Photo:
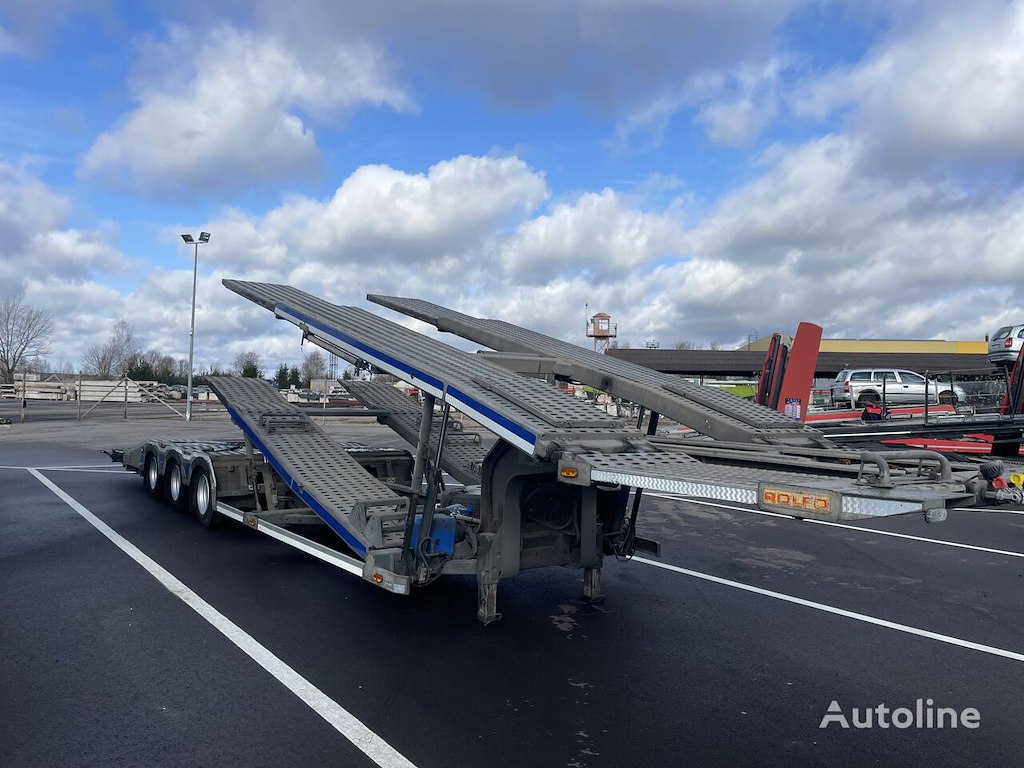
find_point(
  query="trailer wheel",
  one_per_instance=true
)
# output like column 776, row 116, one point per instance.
column 201, row 494
column 151, row 478
column 177, row 491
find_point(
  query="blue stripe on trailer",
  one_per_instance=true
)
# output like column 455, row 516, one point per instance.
column 357, row 546
column 516, row 429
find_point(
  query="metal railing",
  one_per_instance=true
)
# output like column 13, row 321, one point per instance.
column 82, row 399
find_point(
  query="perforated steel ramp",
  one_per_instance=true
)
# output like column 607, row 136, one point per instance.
column 528, row 413
column 709, row 411
column 364, row 512
column 463, row 453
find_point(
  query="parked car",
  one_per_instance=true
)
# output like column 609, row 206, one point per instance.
column 1004, row 345
column 856, row 387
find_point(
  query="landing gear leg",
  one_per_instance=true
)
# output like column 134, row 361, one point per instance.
column 487, row 602
column 592, row 584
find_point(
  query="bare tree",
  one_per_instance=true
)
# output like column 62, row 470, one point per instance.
column 684, row 345
column 213, row 370
column 116, row 356
column 163, row 367
column 123, row 345
column 97, row 360
column 23, row 335
column 313, row 366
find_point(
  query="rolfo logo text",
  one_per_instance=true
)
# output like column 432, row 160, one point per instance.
column 923, row 714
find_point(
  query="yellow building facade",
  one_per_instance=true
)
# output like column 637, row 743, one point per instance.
column 908, row 346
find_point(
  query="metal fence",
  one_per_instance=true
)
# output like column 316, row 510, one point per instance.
column 90, row 399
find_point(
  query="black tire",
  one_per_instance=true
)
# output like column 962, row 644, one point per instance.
column 174, row 485
column 867, row 397
column 151, row 477
column 202, row 498
column 948, row 398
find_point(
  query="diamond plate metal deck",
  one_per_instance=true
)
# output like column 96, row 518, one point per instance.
column 463, row 453
column 315, row 467
column 528, row 413
column 705, row 409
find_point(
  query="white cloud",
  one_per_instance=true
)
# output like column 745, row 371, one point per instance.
column 815, row 238
column 34, row 239
column 605, row 53
column 811, row 239
column 381, row 213
column 84, row 311
column 382, row 231
column 946, row 89
column 734, row 104
column 237, row 118
column 596, row 234
column 26, row 205
column 466, row 233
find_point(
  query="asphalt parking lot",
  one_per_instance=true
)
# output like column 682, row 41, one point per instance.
column 205, row 647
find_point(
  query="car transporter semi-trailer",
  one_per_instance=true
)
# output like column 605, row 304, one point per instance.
column 560, row 486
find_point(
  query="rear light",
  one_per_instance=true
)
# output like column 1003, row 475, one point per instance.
column 1008, row 343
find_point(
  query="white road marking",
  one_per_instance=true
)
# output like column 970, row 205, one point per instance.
column 1012, row 655
column 101, row 468
column 343, row 721
column 108, row 465
column 114, row 471
column 990, row 510
column 956, row 544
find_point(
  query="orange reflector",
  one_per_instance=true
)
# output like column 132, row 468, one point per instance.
column 377, row 578
column 569, row 472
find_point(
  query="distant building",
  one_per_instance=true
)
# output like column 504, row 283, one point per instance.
column 897, row 346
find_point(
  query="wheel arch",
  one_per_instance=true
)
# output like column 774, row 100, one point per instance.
column 199, row 460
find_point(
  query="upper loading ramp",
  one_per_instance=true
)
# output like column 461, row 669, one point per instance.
column 528, row 413
column 707, row 410
column 357, row 506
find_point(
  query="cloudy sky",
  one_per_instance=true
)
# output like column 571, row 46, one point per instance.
column 702, row 170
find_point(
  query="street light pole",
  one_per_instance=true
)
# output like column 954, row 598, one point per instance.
column 204, row 237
